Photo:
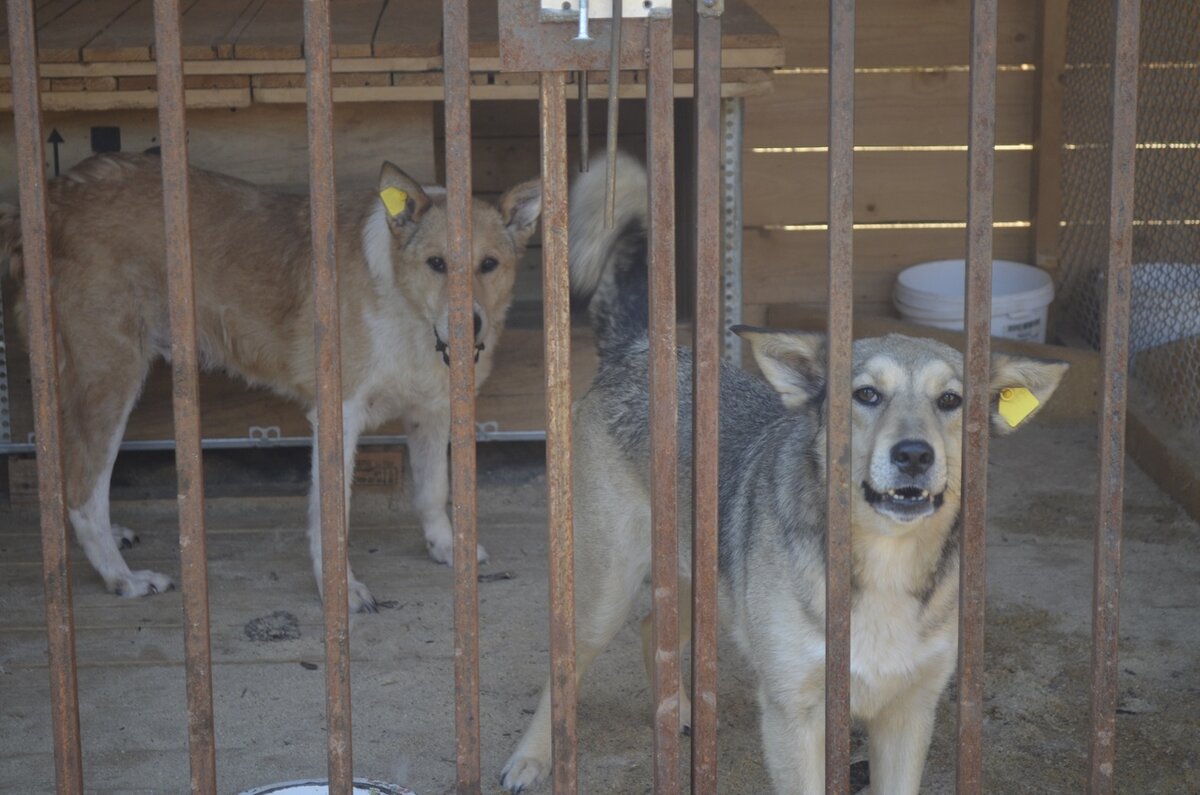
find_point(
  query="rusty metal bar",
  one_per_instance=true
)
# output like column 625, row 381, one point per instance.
column 664, row 400
column 557, row 314
column 193, row 550
column 976, row 423
column 584, row 125
column 1115, row 354
column 613, row 117
column 330, row 442
column 840, row 352
column 457, row 78
column 56, row 564
column 707, row 343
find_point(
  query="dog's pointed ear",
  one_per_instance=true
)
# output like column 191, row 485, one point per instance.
column 520, row 207
column 1020, row 386
column 792, row 361
column 402, row 196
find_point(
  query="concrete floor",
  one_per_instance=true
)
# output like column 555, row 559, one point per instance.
column 267, row 646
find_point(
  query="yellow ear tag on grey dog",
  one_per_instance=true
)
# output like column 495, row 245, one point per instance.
column 394, row 200
column 1016, row 403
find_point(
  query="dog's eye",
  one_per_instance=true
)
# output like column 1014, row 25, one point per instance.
column 437, row 264
column 489, row 264
column 949, row 401
column 868, row 396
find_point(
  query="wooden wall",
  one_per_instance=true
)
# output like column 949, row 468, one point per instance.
column 911, row 110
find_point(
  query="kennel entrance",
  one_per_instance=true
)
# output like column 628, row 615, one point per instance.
column 552, row 89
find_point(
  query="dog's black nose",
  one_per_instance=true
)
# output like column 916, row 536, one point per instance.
column 912, row 456
column 478, row 325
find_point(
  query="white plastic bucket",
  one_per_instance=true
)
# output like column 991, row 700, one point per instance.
column 931, row 294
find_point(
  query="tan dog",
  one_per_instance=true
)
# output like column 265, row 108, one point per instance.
column 252, row 256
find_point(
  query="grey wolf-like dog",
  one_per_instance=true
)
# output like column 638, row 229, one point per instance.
column 906, row 437
column 252, row 254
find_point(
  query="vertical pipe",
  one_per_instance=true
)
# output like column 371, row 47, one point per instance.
column 186, row 397
column 331, row 468
column 976, row 424
column 1115, row 354
column 707, row 343
column 43, row 336
column 584, row 124
column 664, row 400
column 841, row 344
column 557, row 314
column 457, row 77
column 614, row 102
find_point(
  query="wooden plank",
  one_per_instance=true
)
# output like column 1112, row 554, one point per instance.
column 901, row 32
column 409, row 30
column 353, row 25
column 789, row 267
column 791, row 188
column 130, row 37
column 208, row 24
column 65, row 101
column 1048, row 135
column 63, row 39
column 914, row 109
column 46, row 11
column 276, row 31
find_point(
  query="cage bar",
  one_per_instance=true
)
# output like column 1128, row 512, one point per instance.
column 840, row 351
column 457, row 78
column 706, row 345
column 331, row 456
column 43, row 355
column 1114, row 352
column 181, row 289
column 664, row 400
column 976, row 411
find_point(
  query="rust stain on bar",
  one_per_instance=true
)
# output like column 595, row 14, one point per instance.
column 462, row 393
column 706, row 342
column 840, row 340
column 664, row 399
column 56, row 565
column 330, row 442
column 186, row 398
column 1115, row 354
column 976, row 424
column 557, row 315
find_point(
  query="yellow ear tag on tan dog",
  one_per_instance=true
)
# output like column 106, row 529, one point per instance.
column 394, row 199
column 1016, row 403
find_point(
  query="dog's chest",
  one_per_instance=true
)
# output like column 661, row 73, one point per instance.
column 892, row 647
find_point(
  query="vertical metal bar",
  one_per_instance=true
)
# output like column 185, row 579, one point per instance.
column 462, row 391
column 614, row 102
column 707, row 343
column 841, row 344
column 330, row 441
column 186, row 396
column 584, row 125
column 43, row 336
column 557, row 314
column 976, row 424
column 664, row 399
column 1115, row 354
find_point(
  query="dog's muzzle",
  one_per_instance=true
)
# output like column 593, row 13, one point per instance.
column 443, row 347
column 904, row 504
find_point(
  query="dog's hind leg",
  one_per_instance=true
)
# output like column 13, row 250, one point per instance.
column 353, row 421
column 96, row 407
column 685, row 637
column 428, row 438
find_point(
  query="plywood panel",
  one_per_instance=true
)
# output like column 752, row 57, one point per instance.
column 277, row 31
column 888, row 186
column 63, row 39
column 901, row 32
column 790, row 267
column 209, row 27
column 905, row 108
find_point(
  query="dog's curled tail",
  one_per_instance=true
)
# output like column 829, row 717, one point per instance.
column 608, row 265
column 10, row 239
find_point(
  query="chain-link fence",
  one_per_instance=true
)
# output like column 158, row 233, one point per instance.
column 1165, row 310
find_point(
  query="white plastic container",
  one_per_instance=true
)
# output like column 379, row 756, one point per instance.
column 321, row 787
column 931, row 294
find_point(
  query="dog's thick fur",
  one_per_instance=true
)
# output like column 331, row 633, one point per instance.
column 907, row 424
column 252, row 254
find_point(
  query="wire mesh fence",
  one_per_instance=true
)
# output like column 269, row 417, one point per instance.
column 1165, row 309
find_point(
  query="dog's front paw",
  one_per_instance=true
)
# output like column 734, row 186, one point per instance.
column 523, row 773
column 443, row 551
column 141, row 583
column 124, row 537
column 361, row 600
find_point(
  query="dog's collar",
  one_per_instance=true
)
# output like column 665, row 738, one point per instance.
column 443, row 347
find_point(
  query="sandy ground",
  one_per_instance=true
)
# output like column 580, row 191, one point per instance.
column 267, row 644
